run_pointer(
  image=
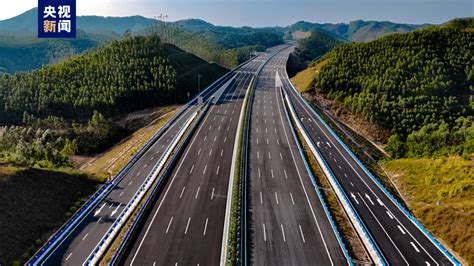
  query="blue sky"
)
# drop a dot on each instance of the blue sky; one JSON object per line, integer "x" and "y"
{"x": 268, "y": 12}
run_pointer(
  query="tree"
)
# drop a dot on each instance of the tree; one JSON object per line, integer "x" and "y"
{"x": 395, "y": 146}
{"x": 70, "y": 148}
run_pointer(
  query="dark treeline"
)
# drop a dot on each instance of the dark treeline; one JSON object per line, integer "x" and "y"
{"x": 418, "y": 85}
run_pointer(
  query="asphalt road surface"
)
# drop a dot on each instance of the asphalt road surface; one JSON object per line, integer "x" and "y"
{"x": 185, "y": 226}
{"x": 400, "y": 241}
{"x": 76, "y": 248}
{"x": 287, "y": 222}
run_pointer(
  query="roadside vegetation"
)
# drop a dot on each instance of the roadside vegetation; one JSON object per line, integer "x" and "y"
{"x": 315, "y": 46}
{"x": 235, "y": 223}
{"x": 304, "y": 81}
{"x": 416, "y": 90}
{"x": 112, "y": 160}
{"x": 56, "y": 118}
{"x": 34, "y": 203}
{"x": 66, "y": 109}
{"x": 419, "y": 86}
{"x": 440, "y": 194}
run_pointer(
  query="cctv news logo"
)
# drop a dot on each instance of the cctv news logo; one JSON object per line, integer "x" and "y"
{"x": 56, "y": 18}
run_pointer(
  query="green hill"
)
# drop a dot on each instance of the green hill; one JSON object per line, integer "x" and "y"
{"x": 122, "y": 76}
{"x": 65, "y": 109}
{"x": 20, "y": 50}
{"x": 358, "y": 31}
{"x": 315, "y": 46}
{"x": 195, "y": 24}
{"x": 26, "y": 24}
{"x": 419, "y": 86}
{"x": 461, "y": 24}
{"x": 26, "y": 53}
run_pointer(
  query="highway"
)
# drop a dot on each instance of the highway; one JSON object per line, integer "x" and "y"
{"x": 397, "y": 237}
{"x": 287, "y": 221}
{"x": 288, "y": 224}
{"x": 185, "y": 225}
{"x": 82, "y": 240}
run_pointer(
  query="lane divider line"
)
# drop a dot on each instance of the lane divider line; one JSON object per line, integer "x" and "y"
{"x": 409, "y": 216}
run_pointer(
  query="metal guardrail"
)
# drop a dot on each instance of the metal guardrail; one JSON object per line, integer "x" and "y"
{"x": 410, "y": 217}
{"x": 318, "y": 192}
{"x": 243, "y": 169}
{"x": 243, "y": 260}
{"x": 159, "y": 184}
{"x": 95, "y": 199}
{"x": 395, "y": 201}
{"x": 243, "y": 214}
{"x": 225, "y": 251}
{"x": 67, "y": 228}
{"x": 127, "y": 211}
{"x": 366, "y": 238}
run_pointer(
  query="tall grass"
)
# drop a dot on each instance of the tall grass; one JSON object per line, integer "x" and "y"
{"x": 440, "y": 193}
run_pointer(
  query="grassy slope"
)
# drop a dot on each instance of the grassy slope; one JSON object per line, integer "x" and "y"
{"x": 304, "y": 80}
{"x": 33, "y": 203}
{"x": 115, "y": 158}
{"x": 449, "y": 181}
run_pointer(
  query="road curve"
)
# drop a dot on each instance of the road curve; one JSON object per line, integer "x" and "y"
{"x": 287, "y": 221}
{"x": 185, "y": 225}
{"x": 400, "y": 239}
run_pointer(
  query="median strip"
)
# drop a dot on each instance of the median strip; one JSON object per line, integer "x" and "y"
{"x": 230, "y": 224}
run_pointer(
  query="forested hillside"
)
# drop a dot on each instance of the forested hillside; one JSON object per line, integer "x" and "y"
{"x": 315, "y": 46}
{"x": 26, "y": 53}
{"x": 126, "y": 75}
{"x": 357, "y": 31}
{"x": 227, "y": 46}
{"x": 64, "y": 109}
{"x": 419, "y": 85}
{"x": 111, "y": 78}
{"x": 233, "y": 37}
{"x": 20, "y": 50}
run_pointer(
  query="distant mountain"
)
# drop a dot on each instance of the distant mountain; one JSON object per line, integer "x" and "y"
{"x": 106, "y": 28}
{"x": 204, "y": 39}
{"x": 25, "y": 53}
{"x": 113, "y": 26}
{"x": 194, "y": 24}
{"x": 358, "y": 31}
{"x": 193, "y": 35}
{"x": 24, "y": 24}
{"x": 102, "y": 28}
{"x": 461, "y": 23}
